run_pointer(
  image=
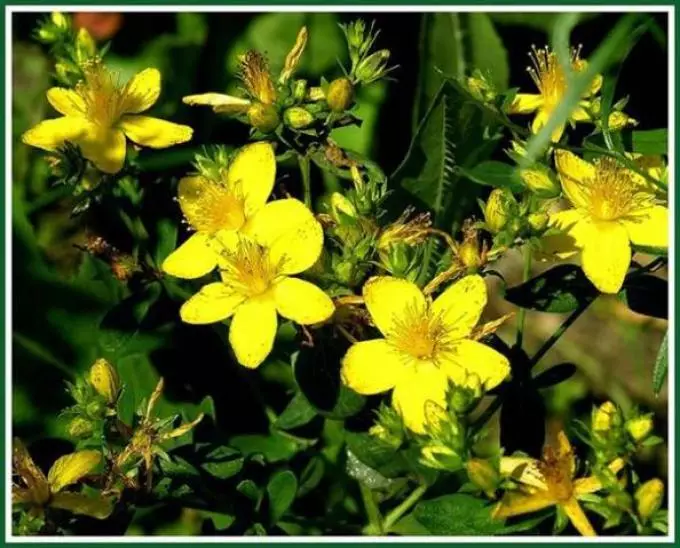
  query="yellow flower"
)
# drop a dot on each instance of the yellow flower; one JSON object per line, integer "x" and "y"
{"x": 100, "y": 112}
{"x": 611, "y": 209}
{"x": 36, "y": 491}
{"x": 256, "y": 266}
{"x": 551, "y": 81}
{"x": 215, "y": 207}
{"x": 426, "y": 344}
{"x": 550, "y": 482}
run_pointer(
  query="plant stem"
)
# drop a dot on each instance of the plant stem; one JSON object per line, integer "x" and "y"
{"x": 522, "y": 311}
{"x": 547, "y": 345}
{"x": 404, "y": 507}
{"x": 374, "y": 526}
{"x": 303, "y": 162}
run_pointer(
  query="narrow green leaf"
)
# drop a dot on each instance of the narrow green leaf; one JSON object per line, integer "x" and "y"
{"x": 494, "y": 174}
{"x": 660, "y": 366}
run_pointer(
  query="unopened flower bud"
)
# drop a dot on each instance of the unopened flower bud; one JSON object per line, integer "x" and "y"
{"x": 80, "y": 428}
{"x": 85, "y": 46}
{"x": 484, "y": 475}
{"x": 440, "y": 457}
{"x": 104, "y": 379}
{"x": 648, "y": 498}
{"x": 538, "y": 221}
{"x": 469, "y": 254}
{"x": 315, "y": 94}
{"x": 500, "y": 207}
{"x": 340, "y": 94}
{"x": 297, "y": 117}
{"x": 541, "y": 181}
{"x": 639, "y": 428}
{"x": 263, "y": 117}
{"x": 59, "y": 20}
{"x": 462, "y": 398}
{"x": 341, "y": 206}
{"x": 373, "y": 67}
{"x": 480, "y": 87}
{"x": 605, "y": 417}
{"x": 299, "y": 90}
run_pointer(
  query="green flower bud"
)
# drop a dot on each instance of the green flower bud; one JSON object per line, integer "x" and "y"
{"x": 499, "y": 208}
{"x": 104, "y": 379}
{"x": 263, "y": 117}
{"x": 639, "y": 428}
{"x": 538, "y": 221}
{"x": 340, "y": 94}
{"x": 440, "y": 457}
{"x": 59, "y": 20}
{"x": 297, "y": 117}
{"x": 342, "y": 207}
{"x": 541, "y": 181}
{"x": 462, "y": 398}
{"x": 373, "y": 67}
{"x": 484, "y": 475}
{"x": 299, "y": 90}
{"x": 648, "y": 498}
{"x": 80, "y": 428}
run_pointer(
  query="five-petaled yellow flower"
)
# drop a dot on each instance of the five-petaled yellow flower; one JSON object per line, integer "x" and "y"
{"x": 36, "y": 492}
{"x": 215, "y": 207}
{"x": 256, "y": 266}
{"x": 612, "y": 208}
{"x": 425, "y": 345}
{"x": 100, "y": 112}
{"x": 550, "y": 482}
{"x": 551, "y": 81}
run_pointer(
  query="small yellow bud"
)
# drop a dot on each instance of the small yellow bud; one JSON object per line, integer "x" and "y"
{"x": 648, "y": 498}
{"x": 498, "y": 209}
{"x": 484, "y": 475}
{"x": 263, "y": 117}
{"x": 469, "y": 254}
{"x": 297, "y": 117}
{"x": 340, "y": 94}
{"x": 80, "y": 428}
{"x": 541, "y": 181}
{"x": 85, "y": 46}
{"x": 538, "y": 221}
{"x": 299, "y": 90}
{"x": 480, "y": 87}
{"x": 340, "y": 205}
{"x": 104, "y": 378}
{"x": 315, "y": 94}
{"x": 604, "y": 417}
{"x": 59, "y": 20}
{"x": 640, "y": 427}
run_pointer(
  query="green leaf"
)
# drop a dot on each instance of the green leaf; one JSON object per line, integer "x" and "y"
{"x": 281, "y": 489}
{"x": 166, "y": 234}
{"x": 297, "y": 413}
{"x": 650, "y": 141}
{"x": 312, "y": 475}
{"x": 647, "y": 295}
{"x": 376, "y": 454}
{"x": 226, "y": 467}
{"x": 363, "y": 473}
{"x": 660, "y": 366}
{"x": 274, "y": 448}
{"x": 561, "y": 289}
{"x": 487, "y": 51}
{"x": 494, "y": 174}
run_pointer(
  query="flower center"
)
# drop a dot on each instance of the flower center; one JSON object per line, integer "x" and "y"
{"x": 612, "y": 193}
{"x": 548, "y": 75}
{"x": 102, "y": 93}
{"x": 557, "y": 471}
{"x": 418, "y": 333}
{"x": 213, "y": 207}
{"x": 248, "y": 269}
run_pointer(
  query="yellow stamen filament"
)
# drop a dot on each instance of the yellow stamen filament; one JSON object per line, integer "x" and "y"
{"x": 556, "y": 469}
{"x": 216, "y": 208}
{"x": 256, "y": 78}
{"x": 248, "y": 269}
{"x": 548, "y": 74}
{"x": 419, "y": 333}
{"x": 103, "y": 94}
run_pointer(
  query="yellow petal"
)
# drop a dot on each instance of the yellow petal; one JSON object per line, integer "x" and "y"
{"x": 193, "y": 259}
{"x": 461, "y": 305}
{"x": 372, "y": 367}
{"x": 468, "y": 358}
{"x": 252, "y": 172}
{"x": 389, "y": 299}
{"x": 516, "y": 504}
{"x": 576, "y": 225}
{"x": 302, "y": 302}
{"x": 525, "y": 103}
{"x": 648, "y": 227}
{"x": 606, "y": 256}
{"x": 99, "y": 507}
{"x": 105, "y": 148}
{"x": 213, "y": 303}
{"x": 30, "y": 473}
{"x": 52, "y": 134}
{"x": 227, "y": 104}
{"x": 419, "y": 385}
{"x": 573, "y": 171}
{"x": 208, "y": 205}
{"x": 142, "y": 91}
{"x": 71, "y": 468}
{"x": 577, "y": 517}
{"x": 253, "y": 330}
{"x": 580, "y": 114}
{"x": 154, "y": 132}
{"x": 525, "y": 470}
{"x": 289, "y": 229}
{"x": 66, "y": 101}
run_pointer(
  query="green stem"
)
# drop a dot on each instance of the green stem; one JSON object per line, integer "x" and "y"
{"x": 522, "y": 311}
{"x": 404, "y": 507}
{"x": 303, "y": 161}
{"x": 547, "y": 345}
{"x": 374, "y": 526}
